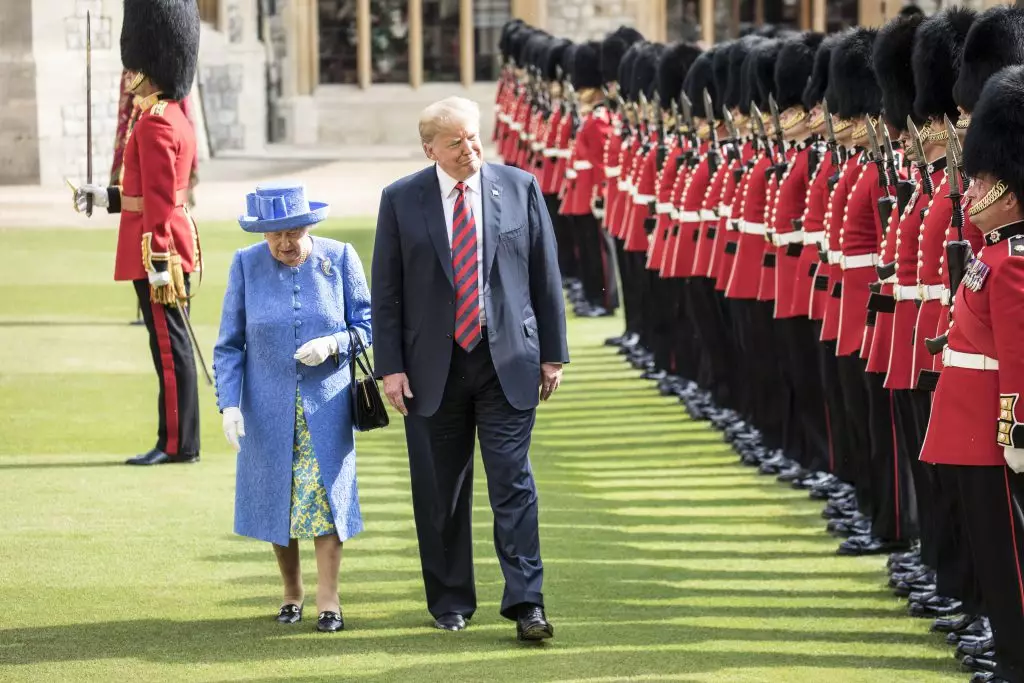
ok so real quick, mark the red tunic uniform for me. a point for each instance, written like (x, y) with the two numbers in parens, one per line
(683, 253)
(745, 279)
(729, 212)
(613, 149)
(807, 300)
(791, 200)
(930, 282)
(154, 191)
(880, 335)
(710, 219)
(834, 217)
(663, 207)
(640, 211)
(975, 412)
(586, 172)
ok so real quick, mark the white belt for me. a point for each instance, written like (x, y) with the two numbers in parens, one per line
(861, 261)
(664, 207)
(515, 125)
(523, 135)
(891, 280)
(537, 146)
(814, 237)
(905, 293)
(733, 224)
(570, 174)
(582, 165)
(970, 361)
(564, 153)
(504, 118)
(784, 238)
(708, 215)
(748, 228)
(930, 292)
(550, 153)
(674, 214)
(946, 297)
(531, 137)
(725, 210)
(612, 171)
(623, 185)
(643, 198)
(835, 257)
(689, 217)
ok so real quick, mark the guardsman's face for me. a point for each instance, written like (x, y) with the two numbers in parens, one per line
(286, 245)
(457, 150)
(1002, 211)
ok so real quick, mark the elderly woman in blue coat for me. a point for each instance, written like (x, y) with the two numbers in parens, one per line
(281, 364)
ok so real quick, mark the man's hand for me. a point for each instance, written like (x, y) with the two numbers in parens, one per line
(316, 351)
(396, 388)
(97, 192)
(550, 378)
(1014, 458)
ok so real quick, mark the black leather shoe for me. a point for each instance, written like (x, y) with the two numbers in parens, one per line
(158, 457)
(450, 622)
(936, 606)
(867, 545)
(979, 628)
(988, 677)
(955, 622)
(978, 663)
(329, 622)
(532, 624)
(974, 647)
(289, 614)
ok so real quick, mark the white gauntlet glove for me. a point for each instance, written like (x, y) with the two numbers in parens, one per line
(316, 351)
(234, 427)
(98, 194)
(1014, 457)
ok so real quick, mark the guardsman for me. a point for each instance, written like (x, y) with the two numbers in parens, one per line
(507, 83)
(518, 100)
(158, 243)
(976, 415)
(556, 139)
(585, 177)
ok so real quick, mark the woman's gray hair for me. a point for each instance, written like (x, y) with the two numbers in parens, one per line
(451, 110)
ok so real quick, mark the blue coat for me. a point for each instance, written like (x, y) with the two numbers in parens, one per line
(270, 310)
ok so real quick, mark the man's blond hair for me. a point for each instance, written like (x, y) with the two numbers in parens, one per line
(449, 111)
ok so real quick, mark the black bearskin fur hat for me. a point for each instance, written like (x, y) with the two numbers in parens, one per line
(626, 68)
(701, 76)
(553, 57)
(672, 68)
(720, 68)
(817, 87)
(764, 58)
(507, 30)
(938, 48)
(613, 49)
(851, 77)
(160, 38)
(996, 133)
(893, 62)
(586, 66)
(996, 39)
(793, 68)
(568, 58)
(736, 95)
(645, 70)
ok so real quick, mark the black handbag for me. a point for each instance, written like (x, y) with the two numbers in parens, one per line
(368, 411)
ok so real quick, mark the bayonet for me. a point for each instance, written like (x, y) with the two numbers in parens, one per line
(757, 122)
(954, 170)
(886, 202)
(921, 161)
(709, 115)
(780, 139)
(890, 155)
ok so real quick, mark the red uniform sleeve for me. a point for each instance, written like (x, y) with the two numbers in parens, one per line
(1006, 300)
(157, 154)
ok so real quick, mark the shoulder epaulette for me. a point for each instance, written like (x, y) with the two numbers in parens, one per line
(1016, 245)
(158, 108)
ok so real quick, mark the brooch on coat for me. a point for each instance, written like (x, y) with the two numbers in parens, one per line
(975, 274)
(325, 266)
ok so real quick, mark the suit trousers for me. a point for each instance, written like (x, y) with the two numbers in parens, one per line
(175, 365)
(441, 449)
(991, 500)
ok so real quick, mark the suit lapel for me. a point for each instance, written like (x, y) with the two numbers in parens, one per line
(490, 203)
(433, 216)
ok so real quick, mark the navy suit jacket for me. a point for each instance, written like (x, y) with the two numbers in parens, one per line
(413, 293)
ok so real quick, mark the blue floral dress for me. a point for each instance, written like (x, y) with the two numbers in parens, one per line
(311, 513)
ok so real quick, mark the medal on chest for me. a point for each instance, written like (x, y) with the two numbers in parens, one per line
(976, 274)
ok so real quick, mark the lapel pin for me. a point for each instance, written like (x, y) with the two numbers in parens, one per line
(494, 191)
(326, 266)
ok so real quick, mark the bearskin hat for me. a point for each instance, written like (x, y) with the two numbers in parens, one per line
(586, 63)
(626, 68)
(645, 70)
(765, 57)
(996, 133)
(701, 76)
(160, 38)
(554, 57)
(507, 30)
(996, 39)
(517, 42)
(536, 50)
(817, 85)
(720, 68)
(613, 49)
(736, 95)
(793, 68)
(851, 77)
(892, 59)
(938, 48)
(672, 68)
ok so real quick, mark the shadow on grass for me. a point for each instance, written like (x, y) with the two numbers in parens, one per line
(60, 465)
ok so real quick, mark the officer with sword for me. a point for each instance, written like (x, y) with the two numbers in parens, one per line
(158, 242)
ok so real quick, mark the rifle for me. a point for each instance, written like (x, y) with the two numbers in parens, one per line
(662, 153)
(88, 109)
(734, 135)
(780, 139)
(714, 153)
(691, 128)
(904, 188)
(759, 130)
(886, 203)
(922, 163)
(958, 252)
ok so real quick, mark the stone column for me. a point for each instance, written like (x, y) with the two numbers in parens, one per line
(298, 108)
(19, 133)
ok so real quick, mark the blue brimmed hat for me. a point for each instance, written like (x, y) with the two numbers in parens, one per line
(280, 206)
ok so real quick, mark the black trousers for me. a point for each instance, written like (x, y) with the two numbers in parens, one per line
(808, 395)
(593, 266)
(175, 365)
(991, 499)
(839, 458)
(662, 303)
(715, 341)
(857, 434)
(610, 265)
(568, 262)
(951, 553)
(908, 449)
(685, 349)
(894, 511)
(630, 289)
(441, 451)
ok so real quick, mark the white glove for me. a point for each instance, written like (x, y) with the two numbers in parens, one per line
(1014, 457)
(159, 278)
(234, 427)
(97, 192)
(316, 351)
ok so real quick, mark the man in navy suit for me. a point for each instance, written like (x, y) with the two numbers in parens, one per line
(469, 333)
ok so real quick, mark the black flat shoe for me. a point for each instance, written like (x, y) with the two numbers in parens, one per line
(329, 622)
(289, 614)
(532, 624)
(158, 457)
(450, 622)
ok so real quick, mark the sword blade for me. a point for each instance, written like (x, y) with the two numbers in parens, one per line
(88, 108)
(195, 342)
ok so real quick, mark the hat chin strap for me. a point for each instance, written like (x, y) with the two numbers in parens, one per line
(990, 198)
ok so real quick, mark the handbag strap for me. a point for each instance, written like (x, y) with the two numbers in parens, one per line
(357, 355)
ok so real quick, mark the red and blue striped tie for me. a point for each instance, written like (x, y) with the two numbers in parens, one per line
(464, 267)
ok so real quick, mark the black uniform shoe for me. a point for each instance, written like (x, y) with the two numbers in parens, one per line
(158, 457)
(450, 622)
(988, 677)
(532, 624)
(289, 614)
(329, 622)
(979, 628)
(867, 545)
(936, 606)
(979, 663)
(954, 622)
(975, 647)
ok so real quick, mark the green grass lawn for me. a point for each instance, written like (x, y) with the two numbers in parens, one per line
(665, 560)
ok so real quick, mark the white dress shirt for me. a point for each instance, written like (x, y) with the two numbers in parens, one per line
(448, 195)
